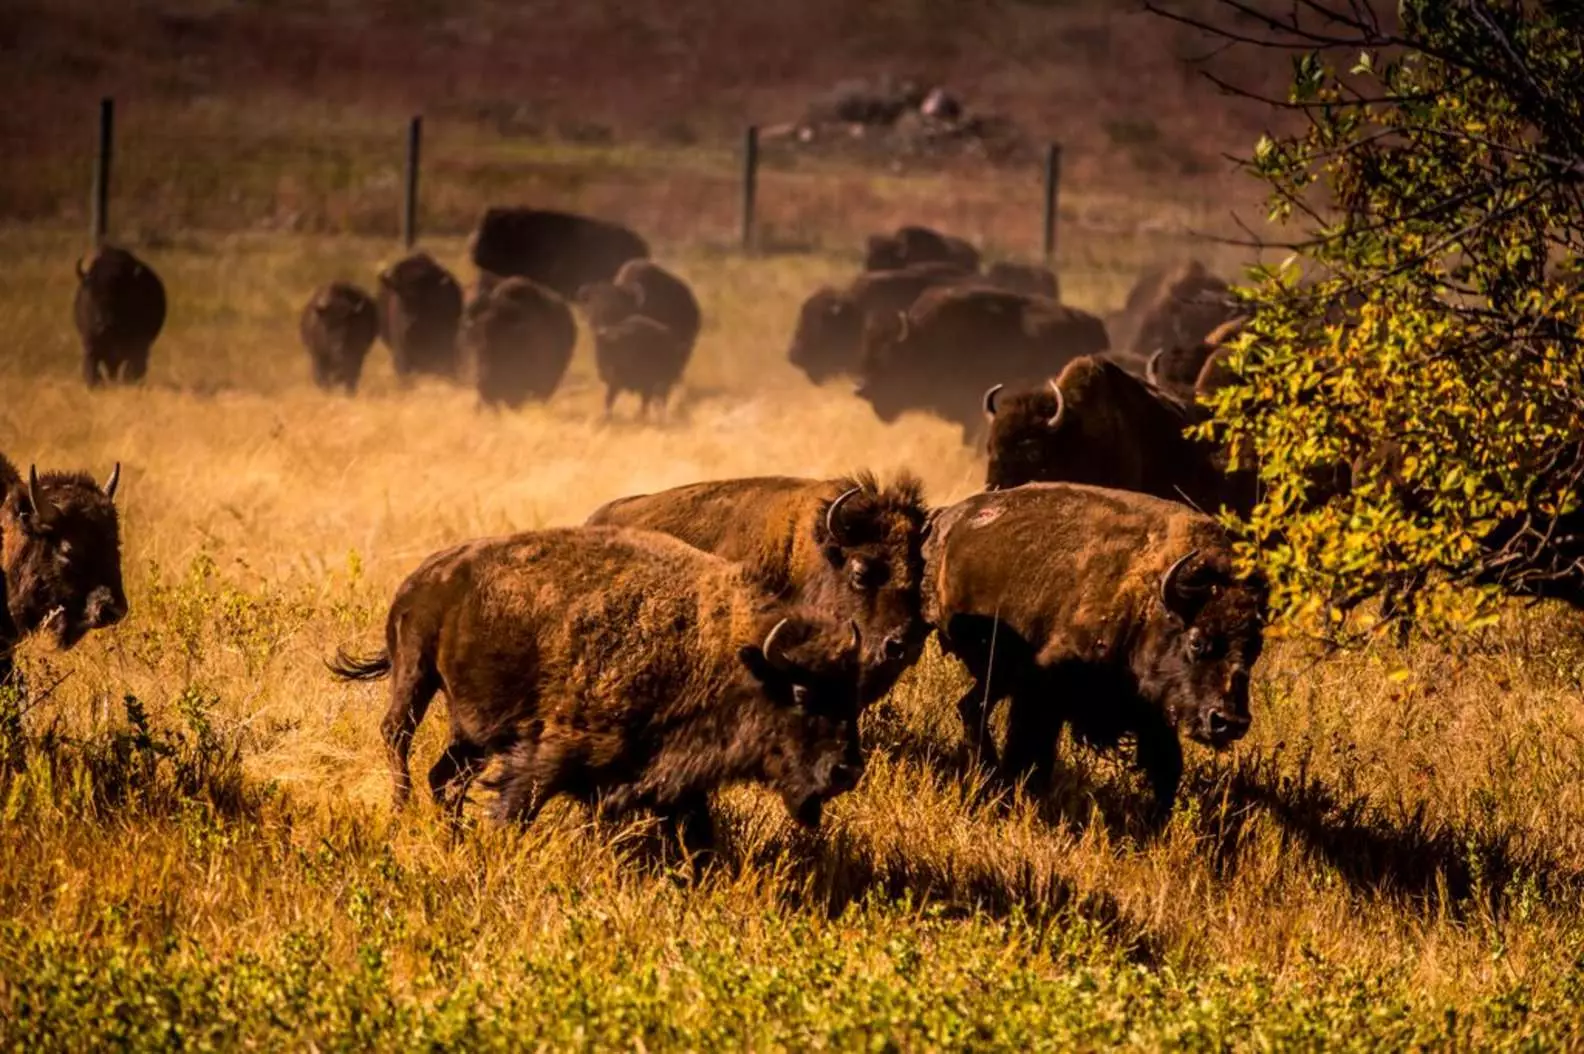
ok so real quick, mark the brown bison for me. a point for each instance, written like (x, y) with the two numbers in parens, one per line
(911, 245)
(522, 336)
(119, 310)
(828, 338)
(1103, 610)
(420, 314)
(1098, 424)
(849, 547)
(1178, 369)
(338, 326)
(942, 353)
(645, 324)
(1188, 305)
(642, 287)
(60, 558)
(1030, 279)
(618, 665)
(560, 250)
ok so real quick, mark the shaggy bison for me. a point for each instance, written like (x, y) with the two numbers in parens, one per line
(1098, 424)
(522, 336)
(560, 250)
(1179, 369)
(60, 557)
(618, 665)
(1107, 611)
(338, 326)
(1029, 279)
(645, 324)
(915, 245)
(119, 310)
(420, 312)
(1188, 304)
(828, 338)
(942, 353)
(849, 547)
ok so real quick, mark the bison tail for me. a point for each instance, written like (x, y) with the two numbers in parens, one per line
(351, 668)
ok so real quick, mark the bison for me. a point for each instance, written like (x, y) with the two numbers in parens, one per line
(1030, 279)
(911, 245)
(616, 664)
(1189, 304)
(828, 338)
(119, 310)
(522, 336)
(1178, 369)
(848, 546)
(1098, 424)
(560, 250)
(60, 558)
(338, 326)
(942, 353)
(420, 314)
(1103, 610)
(645, 325)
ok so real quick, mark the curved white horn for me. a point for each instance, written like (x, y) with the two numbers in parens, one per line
(833, 516)
(768, 647)
(1169, 579)
(1061, 405)
(113, 482)
(1151, 369)
(990, 399)
(856, 645)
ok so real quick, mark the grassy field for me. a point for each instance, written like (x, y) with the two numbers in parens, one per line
(197, 849)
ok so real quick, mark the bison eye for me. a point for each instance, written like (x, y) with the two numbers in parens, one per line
(800, 695)
(869, 574)
(1199, 646)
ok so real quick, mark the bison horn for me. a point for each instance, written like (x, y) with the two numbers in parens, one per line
(1169, 587)
(769, 646)
(1151, 371)
(856, 646)
(990, 399)
(42, 513)
(113, 482)
(833, 517)
(1061, 405)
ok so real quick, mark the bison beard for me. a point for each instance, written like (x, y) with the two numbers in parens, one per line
(617, 666)
(1110, 612)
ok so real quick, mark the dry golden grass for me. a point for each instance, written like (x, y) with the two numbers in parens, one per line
(1392, 858)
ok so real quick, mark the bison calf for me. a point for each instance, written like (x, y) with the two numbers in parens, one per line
(522, 336)
(420, 311)
(1110, 612)
(338, 326)
(618, 665)
(119, 310)
(60, 558)
(645, 325)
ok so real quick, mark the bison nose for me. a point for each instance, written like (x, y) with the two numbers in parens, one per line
(894, 649)
(105, 608)
(1226, 727)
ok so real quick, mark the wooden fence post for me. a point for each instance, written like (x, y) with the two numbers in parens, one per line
(1052, 190)
(750, 185)
(409, 228)
(99, 200)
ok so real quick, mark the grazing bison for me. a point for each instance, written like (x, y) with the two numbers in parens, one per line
(561, 250)
(522, 336)
(1188, 305)
(616, 664)
(119, 311)
(942, 353)
(645, 324)
(828, 339)
(60, 558)
(1107, 611)
(907, 246)
(420, 313)
(1031, 279)
(849, 547)
(338, 326)
(1098, 424)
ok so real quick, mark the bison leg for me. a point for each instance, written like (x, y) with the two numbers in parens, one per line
(1159, 755)
(91, 369)
(413, 684)
(689, 824)
(974, 710)
(610, 399)
(454, 772)
(135, 365)
(1034, 723)
(535, 774)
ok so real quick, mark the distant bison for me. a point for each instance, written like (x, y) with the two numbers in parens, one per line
(60, 558)
(1178, 369)
(645, 324)
(1098, 424)
(560, 250)
(942, 353)
(119, 311)
(620, 666)
(911, 245)
(1188, 305)
(338, 326)
(420, 313)
(1031, 279)
(522, 336)
(849, 547)
(1110, 612)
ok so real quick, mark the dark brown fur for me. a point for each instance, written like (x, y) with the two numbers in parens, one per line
(338, 326)
(62, 565)
(1030, 279)
(559, 250)
(828, 338)
(522, 336)
(1188, 305)
(954, 343)
(119, 311)
(1114, 431)
(645, 325)
(618, 665)
(778, 523)
(911, 245)
(420, 312)
(1051, 594)
(1179, 370)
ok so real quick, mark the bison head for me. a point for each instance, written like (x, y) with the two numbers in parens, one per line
(1197, 661)
(808, 668)
(828, 336)
(1024, 432)
(61, 553)
(885, 385)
